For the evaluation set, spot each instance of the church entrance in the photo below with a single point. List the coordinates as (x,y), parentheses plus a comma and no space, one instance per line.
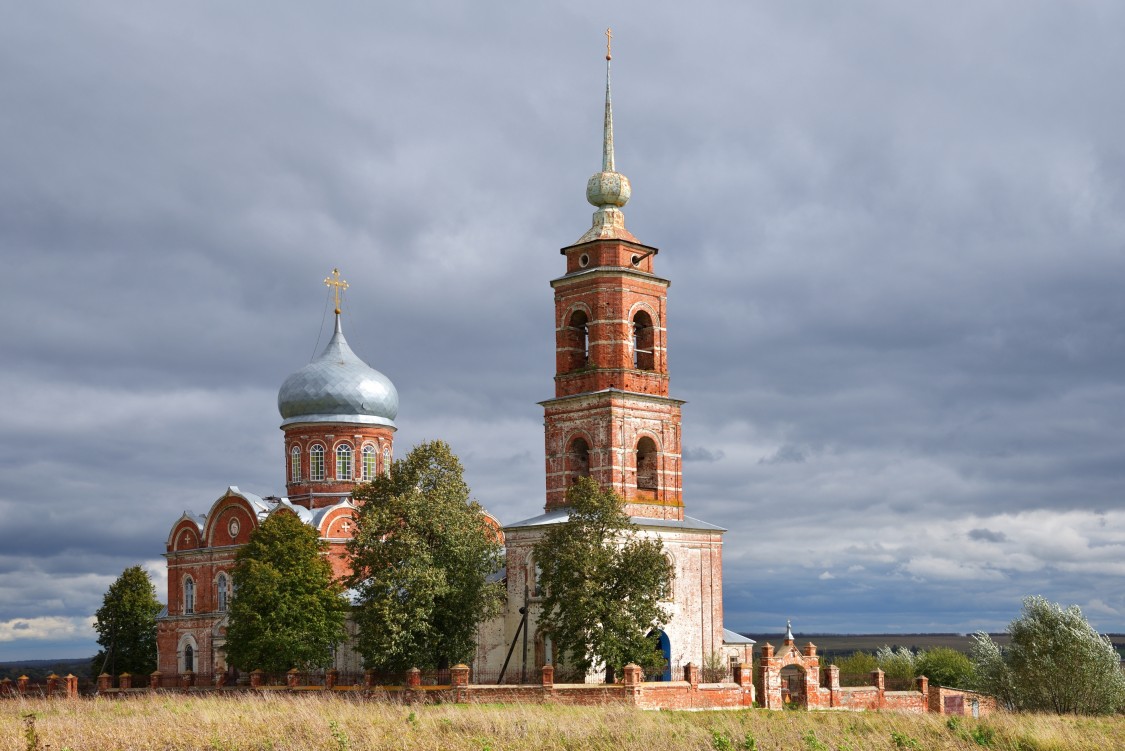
(665,647)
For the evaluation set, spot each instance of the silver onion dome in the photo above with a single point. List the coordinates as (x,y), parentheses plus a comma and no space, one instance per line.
(338,387)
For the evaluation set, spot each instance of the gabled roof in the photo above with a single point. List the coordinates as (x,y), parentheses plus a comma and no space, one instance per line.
(733,637)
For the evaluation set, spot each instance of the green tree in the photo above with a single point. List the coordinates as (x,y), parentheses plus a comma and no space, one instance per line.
(946,667)
(1055,662)
(288,611)
(604,584)
(421,560)
(126,625)
(857,663)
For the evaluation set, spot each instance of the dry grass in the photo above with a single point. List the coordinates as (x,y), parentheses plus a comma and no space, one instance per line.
(309,723)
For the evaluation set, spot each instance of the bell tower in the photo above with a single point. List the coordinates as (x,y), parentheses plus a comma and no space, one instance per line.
(612,418)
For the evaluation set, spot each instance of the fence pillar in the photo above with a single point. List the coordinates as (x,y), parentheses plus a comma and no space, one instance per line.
(255,679)
(743,674)
(459,675)
(124,681)
(330,678)
(369,679)
(105,682)
(154,679)
(691,674)
(632,675)
(187,679)
(548,677)
(291,678)
(6,688)
(220,680)
(878,680)
(52,684)
(923,684)
(71,686)
(413,678)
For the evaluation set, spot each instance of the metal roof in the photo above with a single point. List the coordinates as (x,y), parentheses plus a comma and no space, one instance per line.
(560,516)
(733,637)
(338,387)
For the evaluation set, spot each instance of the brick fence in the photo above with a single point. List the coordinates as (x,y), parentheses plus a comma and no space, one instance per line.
(689,693)
(55,686)
(632,690)
(804,688)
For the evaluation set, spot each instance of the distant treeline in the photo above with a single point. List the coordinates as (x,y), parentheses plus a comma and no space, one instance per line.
(846,644)
(38,670)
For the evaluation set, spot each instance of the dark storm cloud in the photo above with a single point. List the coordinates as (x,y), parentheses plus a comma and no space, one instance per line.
(895,236)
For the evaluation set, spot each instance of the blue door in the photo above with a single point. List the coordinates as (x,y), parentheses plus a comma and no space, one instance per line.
(666,650)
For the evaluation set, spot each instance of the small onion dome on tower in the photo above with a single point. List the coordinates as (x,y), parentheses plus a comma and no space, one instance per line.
(608,190)
(338,387)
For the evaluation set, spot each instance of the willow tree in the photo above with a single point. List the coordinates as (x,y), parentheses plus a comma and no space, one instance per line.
(1055,661)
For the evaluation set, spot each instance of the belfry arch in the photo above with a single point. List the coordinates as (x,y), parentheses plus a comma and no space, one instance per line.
(648,468)
(644,341)
(577,459)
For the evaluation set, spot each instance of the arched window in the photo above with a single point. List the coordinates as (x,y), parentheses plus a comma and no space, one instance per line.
(189,659)
(316,462)
(369,462)
(577,460)
(670,595)
(222,584)
(578,340)
(386,460)
(295,464)
(646,464)
(535,579)
(189,595)
(643,342)
(343,462)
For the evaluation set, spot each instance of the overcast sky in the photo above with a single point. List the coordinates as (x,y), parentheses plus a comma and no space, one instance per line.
(894,232)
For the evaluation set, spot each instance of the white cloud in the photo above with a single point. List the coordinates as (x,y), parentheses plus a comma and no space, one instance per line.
(46,628)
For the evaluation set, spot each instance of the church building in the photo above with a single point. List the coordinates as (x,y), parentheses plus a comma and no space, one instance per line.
(338,418)
(611,418)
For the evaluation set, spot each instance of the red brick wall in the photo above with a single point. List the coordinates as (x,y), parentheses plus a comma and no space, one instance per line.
(320,493)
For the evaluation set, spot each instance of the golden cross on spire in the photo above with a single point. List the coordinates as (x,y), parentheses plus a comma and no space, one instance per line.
(608,43)
(339,284)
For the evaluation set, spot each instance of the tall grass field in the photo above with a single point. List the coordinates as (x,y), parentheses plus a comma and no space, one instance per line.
(310,723)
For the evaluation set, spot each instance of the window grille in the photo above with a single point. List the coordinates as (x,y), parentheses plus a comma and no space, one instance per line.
(295,464)
(344,462)
(369,462)
(316,462)
(223,592)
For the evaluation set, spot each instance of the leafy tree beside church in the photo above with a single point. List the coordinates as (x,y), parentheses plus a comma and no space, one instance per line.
(126,625)
(422,559)
(603,584)
(287,611)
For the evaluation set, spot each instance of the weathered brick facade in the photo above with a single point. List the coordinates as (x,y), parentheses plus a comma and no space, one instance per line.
(200,554)
(339,432)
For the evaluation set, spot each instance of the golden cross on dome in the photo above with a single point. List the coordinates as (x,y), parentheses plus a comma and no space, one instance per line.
(339,284)
(608,43)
